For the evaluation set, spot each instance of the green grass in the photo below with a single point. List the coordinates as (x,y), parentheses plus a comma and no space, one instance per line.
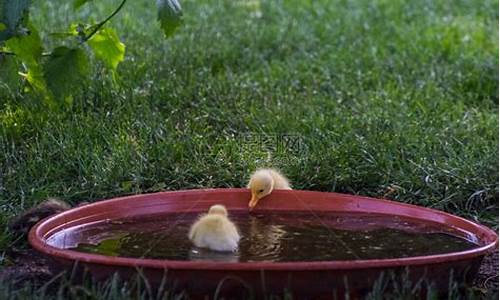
(64,286)
(387,97)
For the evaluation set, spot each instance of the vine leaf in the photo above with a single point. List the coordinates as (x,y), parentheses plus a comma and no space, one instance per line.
(27,48)
(169,15)
(37,81)
(74,30)
(107,47)
(78,3)
(65,69)
(8,72)
(12,14)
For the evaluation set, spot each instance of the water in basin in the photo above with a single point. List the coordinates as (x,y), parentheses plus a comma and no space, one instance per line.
(275,237)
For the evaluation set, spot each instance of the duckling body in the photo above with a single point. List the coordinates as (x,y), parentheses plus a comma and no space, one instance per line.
(263,182)
(215,231)
(23,222)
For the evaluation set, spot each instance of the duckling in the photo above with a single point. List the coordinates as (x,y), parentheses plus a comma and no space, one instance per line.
(23,222)
(263,182)
(215,231)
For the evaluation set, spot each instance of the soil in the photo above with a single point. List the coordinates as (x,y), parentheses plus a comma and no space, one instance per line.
(25,265)
(487,278)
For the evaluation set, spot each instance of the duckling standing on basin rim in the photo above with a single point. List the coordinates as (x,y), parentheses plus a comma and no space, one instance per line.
(263,182)
(215,231)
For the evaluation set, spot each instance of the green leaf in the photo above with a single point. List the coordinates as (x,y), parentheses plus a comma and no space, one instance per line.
(108,247)
(64,71)
(169,15)
(3,26)
(78,3)
(28,48)
(107,47)
(9,68)
(12,14)
(74,30)
(37,81)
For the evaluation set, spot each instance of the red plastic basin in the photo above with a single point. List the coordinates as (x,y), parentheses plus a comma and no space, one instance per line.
(302,278)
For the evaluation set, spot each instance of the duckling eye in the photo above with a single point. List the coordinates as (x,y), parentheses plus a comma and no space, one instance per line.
(260,191)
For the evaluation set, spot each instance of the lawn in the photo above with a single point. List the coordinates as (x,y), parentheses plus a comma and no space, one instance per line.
(387,98)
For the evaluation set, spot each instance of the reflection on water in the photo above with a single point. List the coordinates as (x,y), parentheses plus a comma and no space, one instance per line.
(199,254)
(267,237)
(262,240)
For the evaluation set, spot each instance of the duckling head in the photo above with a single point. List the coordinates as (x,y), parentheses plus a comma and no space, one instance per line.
(217,210)
(261,184)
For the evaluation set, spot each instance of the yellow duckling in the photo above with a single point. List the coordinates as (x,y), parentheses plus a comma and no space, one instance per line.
(215,231)
(263,182)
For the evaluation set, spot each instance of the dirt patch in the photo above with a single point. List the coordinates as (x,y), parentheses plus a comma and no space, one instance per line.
(487,278)
(24,266)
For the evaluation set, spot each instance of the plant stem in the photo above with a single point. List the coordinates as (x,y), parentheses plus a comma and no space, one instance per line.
(7,53)
(98,26)
(12,53)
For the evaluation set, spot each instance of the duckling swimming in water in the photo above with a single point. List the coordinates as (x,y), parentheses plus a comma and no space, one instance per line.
(215,231)
(263,182)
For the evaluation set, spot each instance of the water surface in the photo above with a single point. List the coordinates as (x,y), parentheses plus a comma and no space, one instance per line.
(268,237)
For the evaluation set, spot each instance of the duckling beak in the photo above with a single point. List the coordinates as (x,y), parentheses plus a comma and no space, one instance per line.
(253,201)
